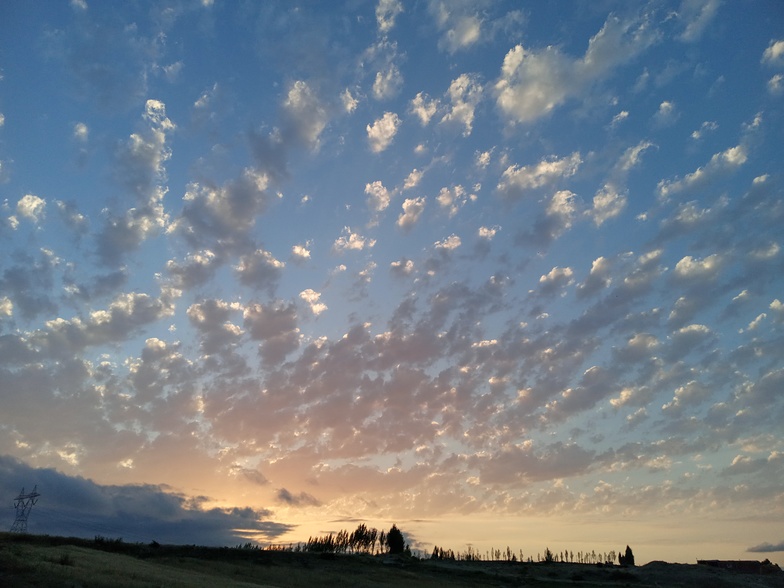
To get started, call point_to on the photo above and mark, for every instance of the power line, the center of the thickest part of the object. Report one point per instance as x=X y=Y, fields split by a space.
x=23 y=504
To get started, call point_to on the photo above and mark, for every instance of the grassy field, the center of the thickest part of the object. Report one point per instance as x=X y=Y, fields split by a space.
x=30 y=561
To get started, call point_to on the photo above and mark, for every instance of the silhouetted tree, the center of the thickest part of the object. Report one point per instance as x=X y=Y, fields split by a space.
x=628 y=558
x=548 y=555
x=395 y=541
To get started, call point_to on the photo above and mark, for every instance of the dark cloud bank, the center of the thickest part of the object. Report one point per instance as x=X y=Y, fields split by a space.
x=75 y=506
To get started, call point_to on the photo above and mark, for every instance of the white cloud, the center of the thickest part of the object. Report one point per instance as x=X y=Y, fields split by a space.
x=464 y=93
x=388 y=83
x=776 y=85
x=774 y=54
x=777 y=308
x=349 y=102
x=403 y=267
x=424 y=107
x=483 y=159
x=413 y=179
x=305 y=114
x=620 y=117
x=452 y=200
x=719 y=164
x=691 y=268
x=488 y=233
x=351 y=241
x=533 y=83
x=608 y=203
x=516 y=179
x=6 y=306
x=598 y=278
x=313 y=300
x=412 y=211
x=386 y=13
x=451 y=243
x=666 y=115
x=378 y=196
x=705 y=127
x=695 y=16
x=555 y=279
x=300 y=252
x=461 y=26
x=31 y=207
x=632 y=156
x=382 y=131
x=81 y=132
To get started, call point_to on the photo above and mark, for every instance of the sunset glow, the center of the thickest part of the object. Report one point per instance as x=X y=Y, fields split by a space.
x=502 y=273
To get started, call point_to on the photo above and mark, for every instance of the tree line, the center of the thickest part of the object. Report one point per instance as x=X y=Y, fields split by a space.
x=371 y=541
x=362 y=540
x=548 y=556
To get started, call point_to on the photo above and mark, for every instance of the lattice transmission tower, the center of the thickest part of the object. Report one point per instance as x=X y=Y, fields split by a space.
x=23 y=504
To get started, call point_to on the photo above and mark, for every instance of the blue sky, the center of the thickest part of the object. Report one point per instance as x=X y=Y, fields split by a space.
x=503 y=273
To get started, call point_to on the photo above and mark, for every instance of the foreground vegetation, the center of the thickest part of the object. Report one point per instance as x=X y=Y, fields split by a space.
x=42 y=561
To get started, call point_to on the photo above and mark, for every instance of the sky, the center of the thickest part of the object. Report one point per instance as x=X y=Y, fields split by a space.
x=501 y=273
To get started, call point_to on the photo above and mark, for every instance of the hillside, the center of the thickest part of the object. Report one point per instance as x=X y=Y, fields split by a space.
x=42 y=561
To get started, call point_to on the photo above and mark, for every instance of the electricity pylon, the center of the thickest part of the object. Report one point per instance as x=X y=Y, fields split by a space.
x=23 y=504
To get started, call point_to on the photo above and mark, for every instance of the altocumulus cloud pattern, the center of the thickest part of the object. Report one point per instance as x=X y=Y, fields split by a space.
x=268 y=267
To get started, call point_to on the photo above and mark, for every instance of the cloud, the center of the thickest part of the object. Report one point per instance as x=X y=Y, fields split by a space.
x=275 y=326
x=720 y=164
x=608 y=203
x=31 y=207
x=597 y=280
x=556 y=219
x=351 y=241
x=619 y=118
x=459 y=22
x=29 y=283
x=464 y=93
x=556 y=279
x=695 y=16
x=403 y=267
x=774 y=54
x=197 y=269
x=301 y=499
x=533 y=83
x=776 y=85
x=452 y=200
x=413 y=179
x=691 y=268
x=75 y=506
x=260 y=270
x=382 y=132
x=412 y=211
x=140 y=161
x=424 y=108
x=305 y=117
x=81 y=132
x=388 y=83
x=515 y=179
x=767 y=548
x=449 y=244
x=219 y=217
x=386 y=13
x=313 y=300
x=706 y=126
x=300 y=253
x=378 y=196
x=212 y=320
x=666 y=115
